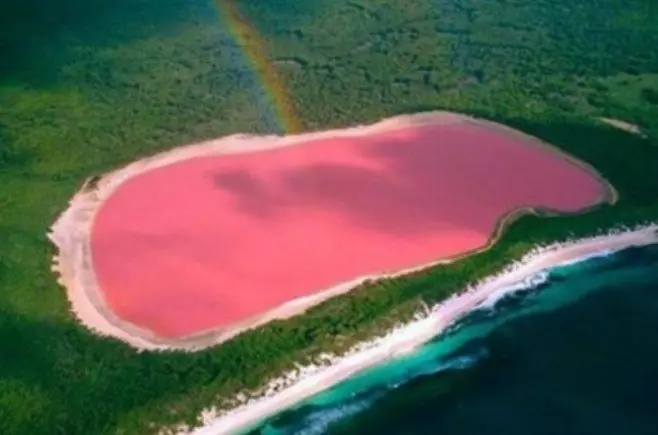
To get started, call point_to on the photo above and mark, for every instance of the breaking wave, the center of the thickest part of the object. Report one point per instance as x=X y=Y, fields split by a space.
x=315 y=419
x=532 y=282
x=458 y=352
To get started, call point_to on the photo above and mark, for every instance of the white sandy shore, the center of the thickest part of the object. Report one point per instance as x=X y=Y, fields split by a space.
x=623 y=125
x=291 y=388
x=71 y=232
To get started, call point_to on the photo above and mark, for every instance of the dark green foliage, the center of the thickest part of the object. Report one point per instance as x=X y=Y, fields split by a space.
x=650 y=95
x=87 y=86
x=37 y=37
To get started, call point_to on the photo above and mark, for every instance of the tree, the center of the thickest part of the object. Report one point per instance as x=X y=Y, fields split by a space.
x=650 y=95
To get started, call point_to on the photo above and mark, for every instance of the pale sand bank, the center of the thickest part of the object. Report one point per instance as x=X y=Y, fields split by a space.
x=623 y=125
x=71 y=232
x=406 y=338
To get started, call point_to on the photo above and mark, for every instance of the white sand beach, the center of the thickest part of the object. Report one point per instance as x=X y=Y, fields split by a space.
x=292 y=388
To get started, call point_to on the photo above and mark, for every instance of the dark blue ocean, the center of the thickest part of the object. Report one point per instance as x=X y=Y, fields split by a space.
x=577 y=354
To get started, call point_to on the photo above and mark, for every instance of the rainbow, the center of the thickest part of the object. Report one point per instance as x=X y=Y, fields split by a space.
x=252 y=46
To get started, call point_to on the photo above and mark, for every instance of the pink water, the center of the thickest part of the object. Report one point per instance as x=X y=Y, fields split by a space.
x=208 y=242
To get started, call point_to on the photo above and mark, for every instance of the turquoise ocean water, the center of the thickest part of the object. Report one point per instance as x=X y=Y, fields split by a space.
x=577 y=354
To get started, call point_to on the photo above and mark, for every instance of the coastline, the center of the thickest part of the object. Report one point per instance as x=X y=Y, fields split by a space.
x=71 y=233
x=292 y=388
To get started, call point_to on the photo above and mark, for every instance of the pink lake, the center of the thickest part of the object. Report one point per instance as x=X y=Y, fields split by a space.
x=210 y=242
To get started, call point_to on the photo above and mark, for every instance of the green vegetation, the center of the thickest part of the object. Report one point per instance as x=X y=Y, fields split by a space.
x=650 y=95
x=85 y=87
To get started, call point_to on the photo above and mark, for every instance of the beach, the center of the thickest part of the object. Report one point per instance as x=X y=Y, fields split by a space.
x=405 y=338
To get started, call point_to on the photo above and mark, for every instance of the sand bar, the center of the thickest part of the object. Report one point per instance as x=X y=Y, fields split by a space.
x=623 y=125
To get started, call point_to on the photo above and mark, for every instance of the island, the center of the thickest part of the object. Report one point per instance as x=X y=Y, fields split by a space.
x=367 y=172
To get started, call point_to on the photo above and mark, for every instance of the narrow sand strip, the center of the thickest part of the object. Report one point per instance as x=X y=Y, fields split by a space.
x=406 y=338
x=623 y=125
x=71 y=232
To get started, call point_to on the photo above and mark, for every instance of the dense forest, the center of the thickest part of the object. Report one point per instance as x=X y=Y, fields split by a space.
x=87 y=86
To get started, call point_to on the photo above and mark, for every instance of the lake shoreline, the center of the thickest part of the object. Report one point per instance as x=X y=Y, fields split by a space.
x=77 y=271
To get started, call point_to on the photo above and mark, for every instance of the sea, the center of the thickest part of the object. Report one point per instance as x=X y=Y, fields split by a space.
x=574 y=353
